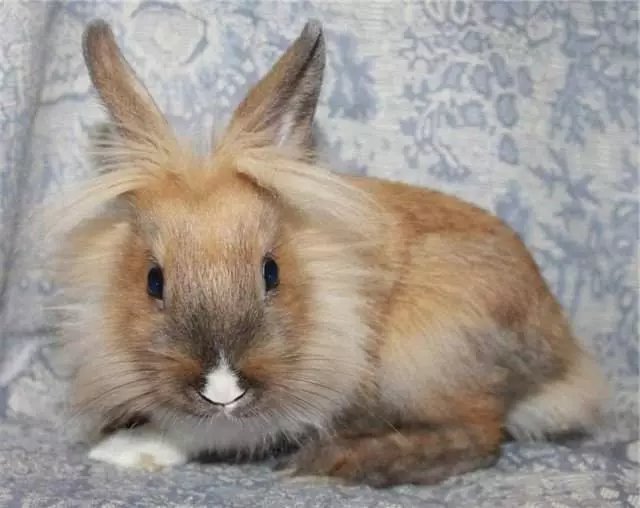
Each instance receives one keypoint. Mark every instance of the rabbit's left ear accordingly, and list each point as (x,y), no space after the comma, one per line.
(281,107)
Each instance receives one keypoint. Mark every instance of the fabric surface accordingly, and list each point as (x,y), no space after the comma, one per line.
(529,109)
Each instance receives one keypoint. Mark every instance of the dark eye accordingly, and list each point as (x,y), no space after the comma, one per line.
(155,282)
(270,273)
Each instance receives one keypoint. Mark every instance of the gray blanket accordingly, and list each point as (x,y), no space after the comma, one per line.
(529,109)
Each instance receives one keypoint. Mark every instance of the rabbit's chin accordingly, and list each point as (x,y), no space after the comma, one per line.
(224,433)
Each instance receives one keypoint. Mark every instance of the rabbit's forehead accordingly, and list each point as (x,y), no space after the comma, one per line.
(229,222)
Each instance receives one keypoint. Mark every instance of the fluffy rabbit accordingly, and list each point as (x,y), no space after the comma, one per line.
(235,298)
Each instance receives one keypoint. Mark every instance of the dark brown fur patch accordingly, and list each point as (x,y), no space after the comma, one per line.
(418,454)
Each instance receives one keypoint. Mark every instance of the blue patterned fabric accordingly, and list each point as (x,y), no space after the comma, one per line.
(529,109)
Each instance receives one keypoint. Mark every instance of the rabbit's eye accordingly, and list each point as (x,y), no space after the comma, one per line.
(270,273)
(155,282)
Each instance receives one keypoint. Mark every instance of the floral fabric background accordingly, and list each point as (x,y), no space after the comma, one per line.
(529,109)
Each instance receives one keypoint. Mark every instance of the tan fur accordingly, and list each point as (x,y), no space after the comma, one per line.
(131,106)
(408,330)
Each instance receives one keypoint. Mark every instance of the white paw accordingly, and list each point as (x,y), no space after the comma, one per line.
(138,448)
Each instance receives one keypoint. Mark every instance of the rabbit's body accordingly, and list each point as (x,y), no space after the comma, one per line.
(394,331)
(457,328)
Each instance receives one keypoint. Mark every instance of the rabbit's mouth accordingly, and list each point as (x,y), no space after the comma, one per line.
(236,405)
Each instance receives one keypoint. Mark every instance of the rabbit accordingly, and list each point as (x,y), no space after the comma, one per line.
(220,302)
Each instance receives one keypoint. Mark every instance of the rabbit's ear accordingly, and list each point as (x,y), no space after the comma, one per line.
(136,115)
(281,107)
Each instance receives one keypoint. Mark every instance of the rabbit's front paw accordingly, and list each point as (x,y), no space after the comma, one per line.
(139,448)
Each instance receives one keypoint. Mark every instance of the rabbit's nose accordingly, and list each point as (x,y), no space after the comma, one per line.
(222,386)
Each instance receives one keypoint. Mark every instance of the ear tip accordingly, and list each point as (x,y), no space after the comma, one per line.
(312,29)
(96,30)
(312,38)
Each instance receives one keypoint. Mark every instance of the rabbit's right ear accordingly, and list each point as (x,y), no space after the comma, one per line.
(131,107)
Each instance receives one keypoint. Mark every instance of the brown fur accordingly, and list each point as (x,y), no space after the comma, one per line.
(469,438)
(409,328)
